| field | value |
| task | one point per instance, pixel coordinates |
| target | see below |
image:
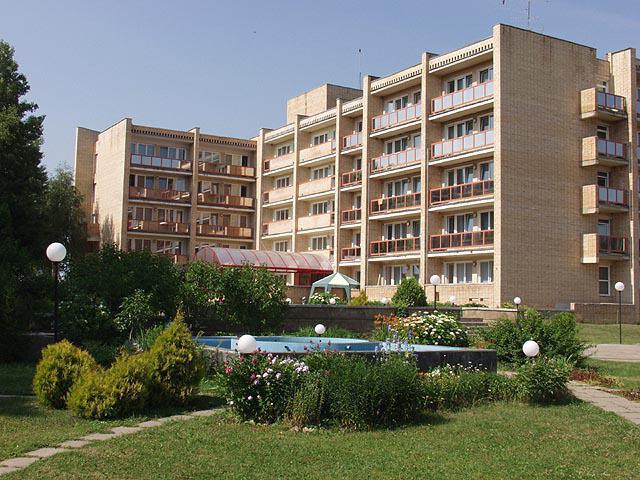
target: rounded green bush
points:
(543, 380)
(61, 366)
(409, 294)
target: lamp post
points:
(619, 286)
(56, 253)
(517, 301)
(435, 281)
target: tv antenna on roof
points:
(359, 55)
(529, 18)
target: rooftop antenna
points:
(359, 55)
(528, 12)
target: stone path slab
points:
(614, 352)
(119, 431)
(150, 424)
(5, 470)
(74, 444)
(19, 462)
(607, 401)
(98, 437)
(45, 452)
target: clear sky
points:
(229, 66)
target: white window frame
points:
(608, 280)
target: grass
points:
(627, 373)
(594, 334)
(501, 440)
(15, 378)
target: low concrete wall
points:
(604, 313)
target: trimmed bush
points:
(409, 294)
(121, 391)
(543, 380)
(431, 328)
(177, 364)
(61, 366)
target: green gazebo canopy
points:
(336, 280)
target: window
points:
(165, 183)
(397, 145)
(321, 243)
(604, 228)
(393, 274)
(395, 231)
(357, 163)
(604, 282)
(318, 173)
(459, 83)
(416, 184)
(283, 150)
(397, 103)
(282, 214)
(486, 272)
(458, 272)
(486, 171)
(173, 152)
(416, 97)
(320, 208)
(209, 157)
(459, 129)
(319, 139)
(457, 176)
(359, 126)
(603, 179)
(486, 75)
(486, 123)
(486, 221)
(459, 223)
(603, 86)
(244, 160)
(142, 149)
(283, 182)
(602, 132)
(398, 187)
(417, 141)
(282, 246)
(244, 191)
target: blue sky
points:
(229, 66)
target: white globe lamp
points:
(56, 252)
(452, 299)
(247, 344)
(619, 286)
(320, 329)
(288, 300)
(530, 348)
(332, 301)
(435, 281)
(384, 300)
(517, 301)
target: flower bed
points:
(429, 328)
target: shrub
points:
(136, 313)
(146, 338)
(61, 366)
(122, 390)
(262, 386)
(452, 388)
(362, 300)
(177, 364)
(325, 298)
(105, 353)
(409, 294)
(557, 336)
(431, 328)
(543, 380)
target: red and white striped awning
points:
(285, 262)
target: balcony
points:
(155, 194)
(313, 187)
(277, 195)
(352, 141)
(226, 170)
(160, 163)
(604, 106)
(317, 151)
(597, 199)
(351, 216)
(464, 100)
(397, 118)
(596, 247)
(277, 163)
(227, 231)
(597, 151)
(351, 179)
(395, 203)
(278, 227)
(313, 222)
(454, 241)
(233, 201)
(460, 192)
(393, 161)
(349, 254)
(149, 226)
(399, 246)
(466, 145)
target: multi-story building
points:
(508, 167)
(166, 191)
(504, 167)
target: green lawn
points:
(626, 372)
(495, 441)
(594, 334)
(15, 378)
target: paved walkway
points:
(18, 463)
(607, 401)
(615, 352)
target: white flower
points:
(249, 398)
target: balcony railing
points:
(224, 231)
(613, 197)
(391, 119)
(157, 227)
(236, 201)
(396, 202)
(476, 238)
(161, 163)
(462, 97)
(141, 193)
(317, 151)
(230, 170)
(316, 221)
(407, 157)
(462, 191)
(277, 163)
(601, 104)
(394, 247)
(350, 253)
(612, 245)
(320, 185)
(351, 216)
(459, 145)
(277, 195)
(351, 178)
(611, 149)
(277, 227)
(609, 101)
(352, 141)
